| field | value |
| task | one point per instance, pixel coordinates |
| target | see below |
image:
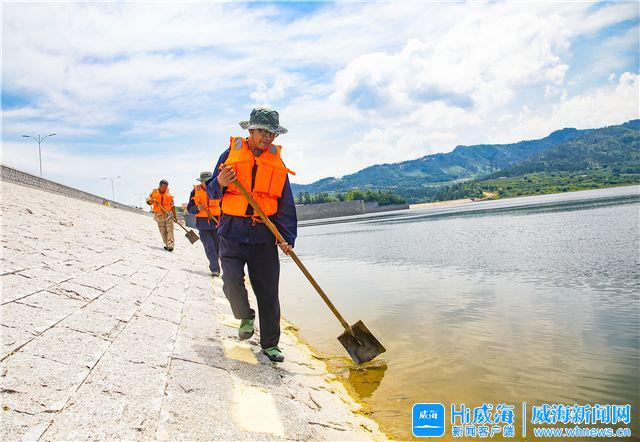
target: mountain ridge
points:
(463, 162)
(416, 178)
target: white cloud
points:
(608, 105)
(356, 84)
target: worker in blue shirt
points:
(207, 212)
(254, 161)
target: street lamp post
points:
(113, 192)
(139, 195)
(39, 140)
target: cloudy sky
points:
(146, 91)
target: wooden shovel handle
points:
(171, 214)
(292, 254)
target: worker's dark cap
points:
(164, 182)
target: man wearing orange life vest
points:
(207, 212)
(164, 212)
(256, 162)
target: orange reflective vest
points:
(161, 199)
(271, 174)
(200, 198)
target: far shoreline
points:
(450, 204)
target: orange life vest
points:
(165, 199)
(271, 174)
(200, 198)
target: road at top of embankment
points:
(105, 335)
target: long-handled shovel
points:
(191, 235)
(359, 342)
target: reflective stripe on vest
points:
(165, 199)
(270, 178)
(200, 198)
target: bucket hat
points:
(264, 118)
(205, 176)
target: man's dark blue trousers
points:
(210, 242)
(263, 266)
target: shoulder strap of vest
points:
(236, 143)
(275, 149)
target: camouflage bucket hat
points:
(264, 118)
(205, 176)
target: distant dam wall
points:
(327, 210)
(342, 208)
(19, 177)
(375, 207)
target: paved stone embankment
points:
(105, 335)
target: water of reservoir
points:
(532, 299)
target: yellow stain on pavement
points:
(255, 410)
(240, 351)
(230, 321)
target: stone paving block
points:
(68, 347)
(47, 274)
(93, 322)
(90, 260)
(12, 339)
(203, 284)
(154, 327)
(9, 266)
(130, 397)
(98, 280)
(55, 271)
(197, 404)
(117, 418)
(114, 307)
(18, 255)
(18, 426)
(34, 320)
(207, 351)
(138, 348)
(57, 251)
(148, 280)
(15, 286)
(155, 310)
(170, 299)
(121, 269)
(31, 384)
(192, 323)
(76, 291)
(54, 302)
(128, 292)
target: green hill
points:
(568, 159)
(602, 158)
(419, 176)
(614, 146)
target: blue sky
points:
(146, 91)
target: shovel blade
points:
(364, 347)
(192, 236)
